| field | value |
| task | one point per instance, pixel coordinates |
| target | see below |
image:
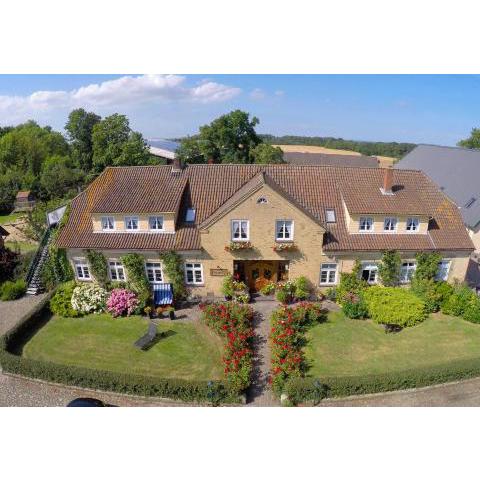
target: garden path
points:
(13, 311)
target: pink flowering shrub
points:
(121, 302)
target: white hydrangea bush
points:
(89, 298)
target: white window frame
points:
(129, 219)
(417, 227)
(283, 222)
(389, 221)
(363, 221)
(240, 230)
(194, 267)
(154, 219)
(153, 268)
(330, 215)
(106, 222)
(407, 270)
(329, 268)
(84, 275)
(448, 262)
(372, 267)
(117, 265)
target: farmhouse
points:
(264, 222)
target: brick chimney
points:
(387, 181)
(176, 165)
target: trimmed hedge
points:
(385, 382)
(189, 391)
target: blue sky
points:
(439, 109)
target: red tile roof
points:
(314, 188)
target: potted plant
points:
(148, 311)
(160, 311)
(235, 246)
(171, 312)
(284, 247)
(227, 287)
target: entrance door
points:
(260, 273)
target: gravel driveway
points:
(11, 312)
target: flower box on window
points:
(237, 246)
(285, 247)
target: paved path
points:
(260, 393)
(11, 312)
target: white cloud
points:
(257, 94)
(127, 90)
(279, 93)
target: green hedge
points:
(385, 382)
(185, 390)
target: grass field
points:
(342, 346)
(9, 218)
(24, 247)
(188, 350)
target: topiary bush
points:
(12, 290)
(305, 389)
(61, 302)
(394, 306)
(389, 268)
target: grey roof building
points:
(455, 170)
(300, 158)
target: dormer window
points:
(330, 215)
(390, 224)
(131, 223)
(412, 224)
(155, 223)
(190, 215)
(108, 223)
(365, 224)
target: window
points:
(262, 200)
(131, 223)
(154, 272)
(116, 270)
(330, 215)
(412, 224)
(240, 230)
(390, 224)
(406, 271)
(284, 230)
(369, 272)
(443, 269)
(81, 269)
(366, 224)
(328, 273)
(190, 215)
(155, 223)
(193, 273)
(108, 223)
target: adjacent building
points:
(264, 222)
(335, 160)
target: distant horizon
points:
(420, 109)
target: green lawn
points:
(24, 247)
(189, 351)
(342, 346)
(10, 217)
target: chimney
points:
(387, 181)
(176, 165)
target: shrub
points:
(61, 302)
(458, 301)
(173, 264)
(350, 283)
(285, 292)
(431, 292)
(472, 311)
(122, 302)
(389, 268)
(8, 262)
(233, 322)
(427, 265)
(13, 290)
(227, 286)
(301, 389)
(396, 306)
(302, 288)
(57, 268)
(98, 265)
(89, 298)
(137, 279)
(354, 306)
(268, 289)
(331, 294)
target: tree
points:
(265, 153)
(9, 186)
(427, 265)
(114, 143)
(36, 219)
(80, 129)
(59, 178)
(228, 139)
(389, 268)
(473, 141)
(189, 151)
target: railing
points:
(38, 255)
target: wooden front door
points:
(260, 273)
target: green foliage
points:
(305, 390)
(389, 268)
(389, 149)
(173, 265)
(458, 301)
(59, 178)
(12, 290)
(10, 183)
(57, 268)
(268, 289)
(285, 292)
(228, 139)
(431, 292)
(331, 294)
(227, 286)
(98, 265)
(267, 154)
(302, 288)
(61, 302)
(395, 306)
(473, 141)
(9, 261)
(36, 219)
(350, 283)
(427, 265)
(134, 264)
(472, 311)
(354, 306)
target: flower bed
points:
(236, 246)
(233, 322)
(287, 338)
(122, 302)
